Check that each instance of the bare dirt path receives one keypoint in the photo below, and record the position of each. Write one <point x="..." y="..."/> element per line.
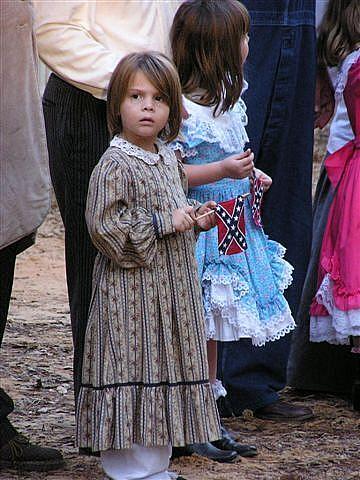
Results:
<point x="36" y="369"/>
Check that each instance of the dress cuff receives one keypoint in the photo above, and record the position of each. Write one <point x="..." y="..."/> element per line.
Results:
<point x="163" y="225"/>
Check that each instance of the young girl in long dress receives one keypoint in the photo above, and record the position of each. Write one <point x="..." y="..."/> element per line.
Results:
<point x="242" y="293"/>
<point x="145" y="384"/>
<point x="335" y="310"/>
<point x="319" y="365"/>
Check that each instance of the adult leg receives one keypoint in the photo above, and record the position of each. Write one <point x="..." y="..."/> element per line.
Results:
<point x="7" y="268"/>
<point x="77" y="137"/>
<point x="15" y="450"/>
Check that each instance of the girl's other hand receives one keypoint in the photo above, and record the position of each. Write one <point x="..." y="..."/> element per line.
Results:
<point x="210" y="220"/>
<point x="182" y="219"/>
<point x="239" y="165"/>
<point x="265" y="179"/>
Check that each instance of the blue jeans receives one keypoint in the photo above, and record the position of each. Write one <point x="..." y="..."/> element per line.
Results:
<point x="281" y="71"/>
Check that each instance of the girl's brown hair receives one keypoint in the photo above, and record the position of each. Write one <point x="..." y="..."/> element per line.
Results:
<point x="206" y="41"/>
<point x="161" y="72"/>
<point x="339" y="32"/>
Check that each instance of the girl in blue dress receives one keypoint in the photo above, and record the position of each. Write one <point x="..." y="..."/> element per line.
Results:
<point x="243" y="293"/>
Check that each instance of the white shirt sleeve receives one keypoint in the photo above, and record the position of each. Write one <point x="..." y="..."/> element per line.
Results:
<point x="68" y="47"/>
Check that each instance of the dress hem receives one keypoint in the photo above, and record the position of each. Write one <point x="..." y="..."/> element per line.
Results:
<point x="117" y="417"/>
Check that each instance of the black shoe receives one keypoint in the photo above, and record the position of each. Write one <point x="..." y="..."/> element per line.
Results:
<point x="226" y="442"/>
<point x="178" y="452"/>
<point x="18" y="453"/>
<point x="208" y="450"/>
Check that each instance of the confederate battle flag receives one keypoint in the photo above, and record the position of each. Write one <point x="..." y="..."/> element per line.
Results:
<point x="257" y="192"/>
<point x="231" y="226"/>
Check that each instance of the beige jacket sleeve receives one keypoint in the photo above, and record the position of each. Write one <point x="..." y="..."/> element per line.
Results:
<point x="67" y="46"/>
<point x="24" y="171"/>
<point x="82" y="41"/>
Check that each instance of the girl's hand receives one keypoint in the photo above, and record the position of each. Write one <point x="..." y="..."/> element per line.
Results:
<point x="210" y="220"/>
<point x="239" y="165"/>
<point x="265" y="179"/>
<point x="182" y="219"/>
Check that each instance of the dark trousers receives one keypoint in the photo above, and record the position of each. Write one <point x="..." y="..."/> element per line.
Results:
<point x="77" y="137"/>
<point x="281" y="75"/>
<point x="7" y="270"/>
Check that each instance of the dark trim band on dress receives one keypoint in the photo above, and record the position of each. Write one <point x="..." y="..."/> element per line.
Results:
<point x="138" y="384"/>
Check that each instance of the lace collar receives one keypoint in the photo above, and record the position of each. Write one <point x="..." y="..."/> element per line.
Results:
<point x="227" y="129"/>
<point x="148" y="157"/>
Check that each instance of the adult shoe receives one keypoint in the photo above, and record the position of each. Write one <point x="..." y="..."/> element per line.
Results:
<point x="16" y="452"/>
<point x="284" y="412"/>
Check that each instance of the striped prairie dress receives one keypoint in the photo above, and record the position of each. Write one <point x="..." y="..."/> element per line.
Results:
<point x="145" y="374"/>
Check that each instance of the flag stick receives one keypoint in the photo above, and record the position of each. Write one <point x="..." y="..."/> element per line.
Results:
<point x="205" y="215"/>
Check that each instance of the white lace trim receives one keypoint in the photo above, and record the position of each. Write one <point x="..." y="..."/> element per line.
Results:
<point x="286" y="279"/>
<point x="220" y="295"/>
<point x="342" y="76"/>
<point x="339" y="325"/>
<point x="227" y="129"/>
<point x="185" y="152"/>
<point x="228" y="319"/>
<point x="218" y="389"/>
<point x="228" y="324"/>
<point x="150" y="158"/>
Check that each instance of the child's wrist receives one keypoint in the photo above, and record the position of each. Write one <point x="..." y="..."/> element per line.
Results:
<point x="221" y="169"/>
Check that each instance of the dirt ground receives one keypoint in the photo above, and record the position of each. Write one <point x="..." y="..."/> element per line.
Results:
<point x="36" y="370"/>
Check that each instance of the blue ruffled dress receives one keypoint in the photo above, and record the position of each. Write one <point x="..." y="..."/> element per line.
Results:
<point x="243" y="293"/>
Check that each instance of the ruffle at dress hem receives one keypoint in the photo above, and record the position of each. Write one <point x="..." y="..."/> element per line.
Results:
<point x="339" y="324"/>
<point x="123" y="415"/>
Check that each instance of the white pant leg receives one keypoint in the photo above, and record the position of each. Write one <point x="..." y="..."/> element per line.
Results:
<point x="138" y="462"/>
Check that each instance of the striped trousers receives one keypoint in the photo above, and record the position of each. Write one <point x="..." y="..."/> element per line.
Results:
<point x="77" y="137"/>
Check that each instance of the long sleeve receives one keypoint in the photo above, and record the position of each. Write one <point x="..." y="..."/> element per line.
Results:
<point x="82" y="41"/>
<point x="67" y="46"/>
<point x="24" y="172"/>
<point x="127" y="235"/>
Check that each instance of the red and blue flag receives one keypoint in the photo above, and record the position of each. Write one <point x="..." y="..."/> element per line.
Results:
<point x="230" y="221"/>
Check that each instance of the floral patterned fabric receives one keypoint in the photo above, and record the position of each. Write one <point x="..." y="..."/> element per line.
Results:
<point x="145" y="374"/>
<point x="243" y="293"/>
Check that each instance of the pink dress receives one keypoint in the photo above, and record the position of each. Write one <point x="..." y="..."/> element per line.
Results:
<point x="335" y="310"/>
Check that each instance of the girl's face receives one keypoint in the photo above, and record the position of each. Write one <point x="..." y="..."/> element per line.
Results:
<point x="244" y="48"/>
<point x="143" y="111"/>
